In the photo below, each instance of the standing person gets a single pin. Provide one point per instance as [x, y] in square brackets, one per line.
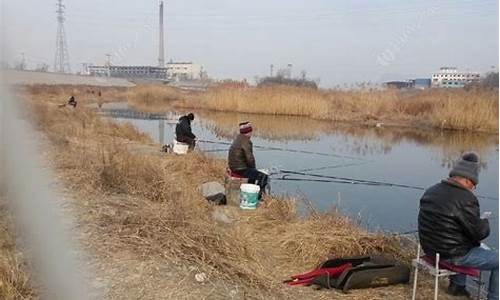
[183, 131]
[449, 224]
[241, 160]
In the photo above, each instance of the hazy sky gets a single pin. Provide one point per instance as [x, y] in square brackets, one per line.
[336, 41]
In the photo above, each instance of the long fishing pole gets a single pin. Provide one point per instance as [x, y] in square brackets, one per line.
[286, 178]
[332, 167]
[336, 179]
[288, 150]
[370, 182]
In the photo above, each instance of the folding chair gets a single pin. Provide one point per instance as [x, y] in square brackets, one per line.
[438, 269]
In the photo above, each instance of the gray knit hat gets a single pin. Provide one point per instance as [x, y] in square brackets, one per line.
[467, 167]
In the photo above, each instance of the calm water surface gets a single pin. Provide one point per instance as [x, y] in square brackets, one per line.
[403, 156]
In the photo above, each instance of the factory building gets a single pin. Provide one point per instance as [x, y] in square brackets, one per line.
[184, 71]
[138, 72]
[450, 77]
[173, 71]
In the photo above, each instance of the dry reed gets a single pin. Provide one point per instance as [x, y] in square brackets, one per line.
[458, 109]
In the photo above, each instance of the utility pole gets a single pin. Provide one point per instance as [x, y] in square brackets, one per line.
[61, 61]
[161, 53]
[23, 62]
[108, 59]
[271, 73]
[289, 71]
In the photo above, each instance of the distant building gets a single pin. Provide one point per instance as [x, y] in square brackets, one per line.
[184, 71]
[140, 72]
[178, 71]
[422, 83]
[449, 77]
[399, 84]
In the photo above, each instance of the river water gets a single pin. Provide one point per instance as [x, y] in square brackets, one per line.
[418, 158]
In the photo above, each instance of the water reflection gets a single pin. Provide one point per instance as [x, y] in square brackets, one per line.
[360, 140]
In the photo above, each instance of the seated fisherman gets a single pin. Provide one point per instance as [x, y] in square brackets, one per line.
[241, 160]
[449, 224]
[72, 101]
[183, 131]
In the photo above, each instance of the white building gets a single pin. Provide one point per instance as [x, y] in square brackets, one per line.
[133, 72]
[449, 77]
[184, 71]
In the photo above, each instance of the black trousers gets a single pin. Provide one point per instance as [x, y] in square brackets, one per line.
[187, 140]
[254, 177]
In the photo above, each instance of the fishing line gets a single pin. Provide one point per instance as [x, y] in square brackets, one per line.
[288, 150]
[285, 178]
[336, 179]
[214, 150]
[332, 167]
[369, 182]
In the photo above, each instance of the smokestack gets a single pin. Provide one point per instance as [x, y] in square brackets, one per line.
[161, 54]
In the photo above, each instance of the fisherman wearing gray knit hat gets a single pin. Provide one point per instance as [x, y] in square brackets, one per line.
[467, 167]
[449, 224]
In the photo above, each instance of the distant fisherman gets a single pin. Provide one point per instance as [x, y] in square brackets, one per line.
[449, 224]
[183, 131]
[72, 101]
[241, 160]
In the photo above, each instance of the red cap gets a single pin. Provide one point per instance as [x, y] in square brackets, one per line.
[245, 127]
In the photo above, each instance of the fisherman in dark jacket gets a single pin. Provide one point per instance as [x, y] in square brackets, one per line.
[183, 131]
[449, 224]
[241, 160]
[72, 101]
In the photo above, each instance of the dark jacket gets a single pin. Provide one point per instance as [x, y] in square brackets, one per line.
[448, 221]
[241, 154]
[183, 129]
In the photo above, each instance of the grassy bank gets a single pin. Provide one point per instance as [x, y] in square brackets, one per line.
[459, 109]
[162, 214]
[15, 281]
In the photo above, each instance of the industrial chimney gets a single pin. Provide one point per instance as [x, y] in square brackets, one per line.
[161, 54]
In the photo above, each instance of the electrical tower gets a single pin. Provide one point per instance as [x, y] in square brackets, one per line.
[61, 62]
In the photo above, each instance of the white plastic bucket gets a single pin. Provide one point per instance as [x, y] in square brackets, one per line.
[249, 196]
[180, 148]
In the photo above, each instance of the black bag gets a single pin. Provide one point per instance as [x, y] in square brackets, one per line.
[370, 274]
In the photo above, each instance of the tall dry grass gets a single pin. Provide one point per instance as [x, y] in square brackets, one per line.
[459, 109]
[161, 213]
[15, 281]
[84, 94]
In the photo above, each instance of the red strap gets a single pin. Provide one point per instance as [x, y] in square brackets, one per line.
[308, 277]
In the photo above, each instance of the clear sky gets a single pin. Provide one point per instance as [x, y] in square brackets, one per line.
[336, 41]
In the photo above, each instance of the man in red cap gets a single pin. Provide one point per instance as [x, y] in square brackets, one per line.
[241, 160]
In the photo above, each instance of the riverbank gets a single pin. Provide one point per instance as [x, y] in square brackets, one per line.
[455, 109]
[146, 204]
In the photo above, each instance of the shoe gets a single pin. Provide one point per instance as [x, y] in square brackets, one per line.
[457, 290]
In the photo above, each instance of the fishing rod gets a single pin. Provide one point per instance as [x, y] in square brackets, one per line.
[353, 180]
[332, 167]
[336, 179]
[286, 178]
[288, 150]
